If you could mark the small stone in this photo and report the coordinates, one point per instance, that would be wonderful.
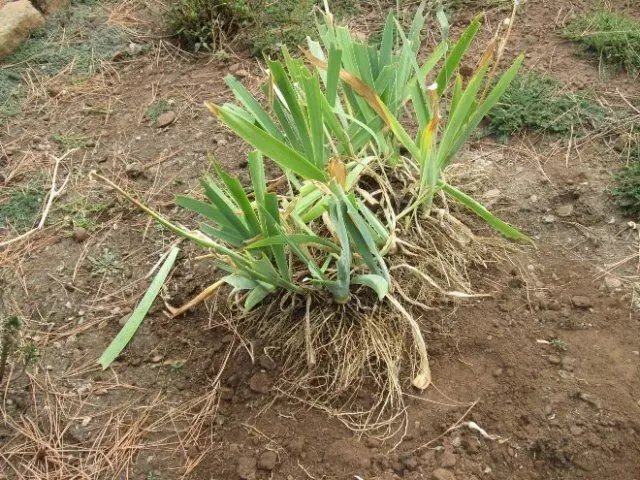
(226, 393)
(442, 474)
(260, 383)
(548, 219)
(268, 461)
(533, 198)
(554, 359)
(242, 73)
(576, 430)
(246, 468)
(448, 459)
(564, 210)
(569, 363)
(582, 302)
(157, 359)
(165, 119)
(612, 283)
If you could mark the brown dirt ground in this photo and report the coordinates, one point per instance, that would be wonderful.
(554, 375)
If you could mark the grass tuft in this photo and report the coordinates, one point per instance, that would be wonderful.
(538, 103)
(156, 109)
(627, 192)
(75, 40)
(264, 25)
(612, 36)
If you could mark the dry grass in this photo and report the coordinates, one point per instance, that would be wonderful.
(57, 432)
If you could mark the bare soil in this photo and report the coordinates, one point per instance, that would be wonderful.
(548, 365)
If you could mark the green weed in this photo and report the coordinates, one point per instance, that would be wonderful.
(627, 192)
(20, 208)
(69, 141)
(106, 264)
(612, 36)
(538, 103)
(156, 109)
(84, 213)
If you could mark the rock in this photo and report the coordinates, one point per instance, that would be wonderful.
(260, 383)
(165, 119)
(448, 459)
(442, 474)
(497, 372)
(581, 301)
(554, 359)
(568, 364)
(157, 359)
(612, 283)
(591, 399)
(246, 468)
(226, 393)
(268, 461)
(242, 73)
(548, 219)
(80, 234)
(266, 362)
(17, 21)
(564, 210)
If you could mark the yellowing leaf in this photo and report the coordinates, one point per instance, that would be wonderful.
(338, 171)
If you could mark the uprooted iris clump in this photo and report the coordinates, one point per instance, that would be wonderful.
(539, 103)
(613, 37)
(360, 234)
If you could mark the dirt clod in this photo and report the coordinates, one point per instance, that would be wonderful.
(591, 399)
(80, 234)
(226, 393)
(554, 359)
(165, 119)
(266, 362)
(581, 301)
(569, 363)
(268, 461)
(442, 474)
(246, 469)
(260, 383)
(564, 210)
(448, 459)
